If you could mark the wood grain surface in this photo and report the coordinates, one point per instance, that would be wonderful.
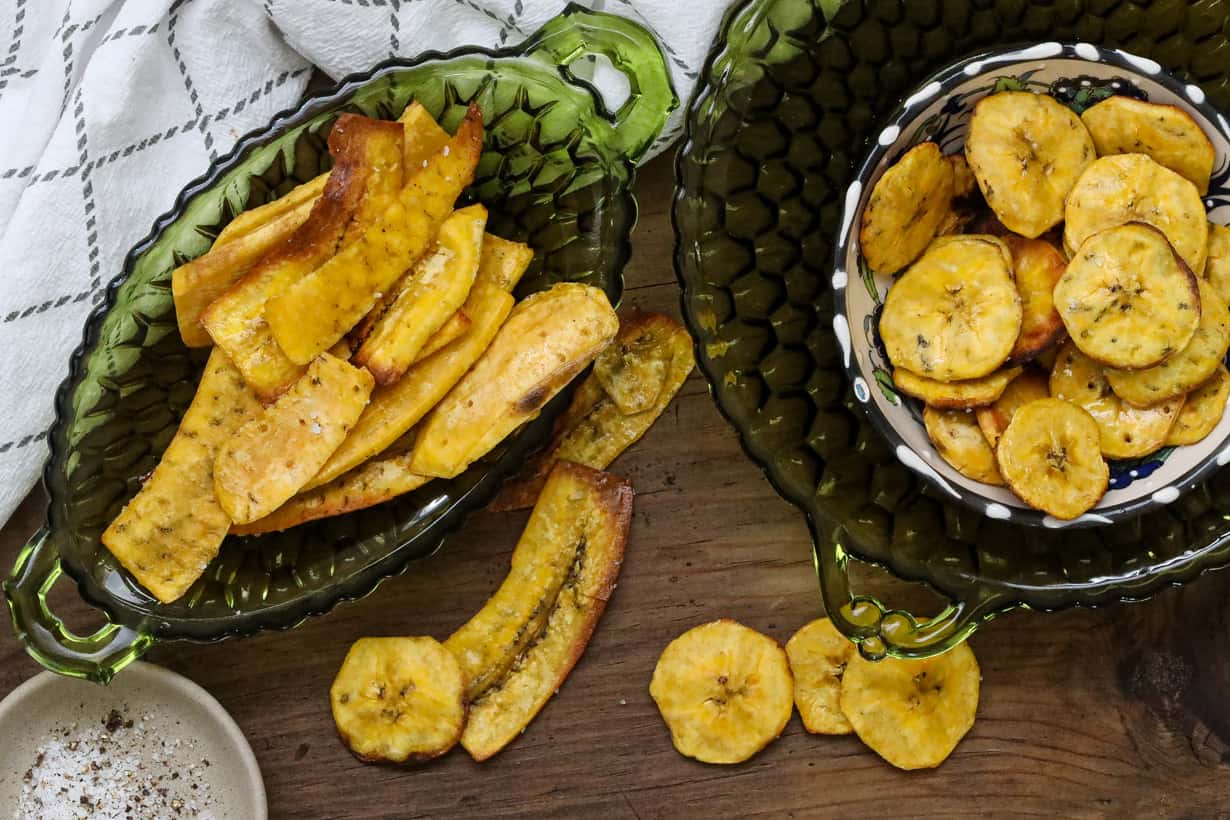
(1121, 712)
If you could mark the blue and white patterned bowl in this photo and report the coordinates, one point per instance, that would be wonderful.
(1079, 75)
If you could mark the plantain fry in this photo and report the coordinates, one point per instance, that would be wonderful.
(593, 510)
(454, 327)
(172, 528)
(549, 337)
(593, 430)
(272, 456)
(297, 200)
(316, 311)
(503, 262)
(424, 137)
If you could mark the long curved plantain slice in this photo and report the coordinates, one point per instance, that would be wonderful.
(172, 529)
(299, 199)
(503, 262)
(597, 517)
(818, 656)
(654, 357)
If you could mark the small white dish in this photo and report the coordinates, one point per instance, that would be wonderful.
(170, 750)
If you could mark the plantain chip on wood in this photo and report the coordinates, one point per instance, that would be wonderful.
(398, 700)
(434, 289)
(594, 430)
(818, 656)
(368, 162)
(172, 529)
(319, 309)
(272, 456)
(593, 511)
(298, 200)
(1051, 456)
(549, 338)
(1165, 133)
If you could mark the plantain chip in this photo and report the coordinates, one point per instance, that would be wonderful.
(1126, 431)
(955, 313)
(967, 202)
(272, 456)
(958, 440)
(907, 204)
(173, 527)
(1051, 456)
(1125, 188)
(1217, 268)
(912, 713)
(1027, 151)
(818, 655)
(1202, 411)
(993, 419)
(602, 511)
(398, 700)
(724, 691)
(960, 395)
(1127, 299)
(1165, 133)
(1037, 266)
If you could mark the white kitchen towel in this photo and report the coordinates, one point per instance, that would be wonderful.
(109, 107)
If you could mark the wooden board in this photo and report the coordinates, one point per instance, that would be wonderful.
(1106, 713)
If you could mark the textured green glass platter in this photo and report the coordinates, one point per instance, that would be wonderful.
(790, 94)
(556, 172)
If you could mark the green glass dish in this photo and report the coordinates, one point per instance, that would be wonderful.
(556, 172)
(787, 104)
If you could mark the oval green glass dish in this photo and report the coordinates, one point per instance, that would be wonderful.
(789, 99)
(556, 172)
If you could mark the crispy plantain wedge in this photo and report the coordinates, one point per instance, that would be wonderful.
(593, 430)
(271, 457)
(503, 262)
(297, 200)
(395, 409)
(398, 700)
(549, 338)
(319, 309)
(595, 515)
(173, 527)
(368, 162)
(424, 137)
(454, 328)
(436, 288)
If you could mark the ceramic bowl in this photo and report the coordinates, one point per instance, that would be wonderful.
(1078, 75)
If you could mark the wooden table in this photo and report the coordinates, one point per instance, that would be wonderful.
(1117, 712)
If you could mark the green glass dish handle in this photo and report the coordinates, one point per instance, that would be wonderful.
(49, 641)
(577, 33)
(880, 632)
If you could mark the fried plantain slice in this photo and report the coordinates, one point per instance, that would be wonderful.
(1047, 358)
(1165, 133)
(297, 200)
(966, 202)
(1185, 370)
(912, 713)
(1217, 267)
(454, 327)
(1125, 431)
(398, 700)
(1051, 457)
(1202, 411)
(724, 690)
(1027, 151)
(905, 209)
(1125, 188)
(955, 314)
(602, 510)
(958, 440)
(818, 655)
(633, 369)
(963, 182)
(593, 430)
(503, 262)
(1127, 299)
(1036, 266)
(960, 395)
(1029, 386)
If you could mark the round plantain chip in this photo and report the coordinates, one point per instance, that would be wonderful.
(818, 655)
(1126, 298)
(958, 440)
(1051, 458)
(954, 395)
(1185, 370)
(1036, 265)
(1166, 133)
(1202, 411)
(912, 713)
(993, 419)
(399, 699)
(725, 691)
(1125, 431)
(955, 314)
(963, 182)
(1027, 151)
(1127, 188)
(1217, 266)
(907, 204)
